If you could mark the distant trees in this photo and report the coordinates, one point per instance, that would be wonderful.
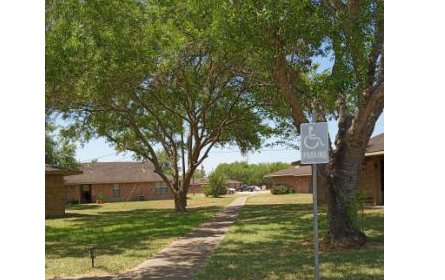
(251, 174)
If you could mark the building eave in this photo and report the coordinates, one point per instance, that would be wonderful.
(378, 153)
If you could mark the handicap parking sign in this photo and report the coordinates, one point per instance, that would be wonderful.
(314, 143)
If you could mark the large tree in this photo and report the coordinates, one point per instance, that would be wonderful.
(148, 78)
(282, 40)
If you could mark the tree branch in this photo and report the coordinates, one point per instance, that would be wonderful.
(284, 78)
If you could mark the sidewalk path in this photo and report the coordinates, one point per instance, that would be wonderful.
(184, 257)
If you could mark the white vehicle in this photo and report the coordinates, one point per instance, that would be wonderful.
(230, 190)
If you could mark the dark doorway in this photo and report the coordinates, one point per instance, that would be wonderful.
(382, 172)
(85, 193)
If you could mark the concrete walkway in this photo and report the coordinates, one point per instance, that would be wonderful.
(184, 257)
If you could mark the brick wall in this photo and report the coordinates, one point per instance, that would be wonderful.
(129, 192)
(54, 196)
(234, 185)
(300, 184)
(369, 181)
(195, 189)
(72, 194)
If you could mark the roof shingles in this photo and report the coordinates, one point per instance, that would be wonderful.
(298, 170)
(114, 172)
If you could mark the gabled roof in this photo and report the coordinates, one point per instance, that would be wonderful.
(114, 172)
(375, 145)
(52, 170)
(298, 170)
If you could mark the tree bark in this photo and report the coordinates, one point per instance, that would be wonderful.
(342, 181)
(181, 201)
(343, 173)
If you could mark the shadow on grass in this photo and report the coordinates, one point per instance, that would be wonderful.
(373, 227)
(266, 242)
(116, 232)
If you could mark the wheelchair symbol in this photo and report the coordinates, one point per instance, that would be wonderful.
(312, 141)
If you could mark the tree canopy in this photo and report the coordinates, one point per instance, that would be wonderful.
(150, 79)
(59, 152)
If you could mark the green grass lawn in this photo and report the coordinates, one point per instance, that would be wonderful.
(126, 233)
(271, 240)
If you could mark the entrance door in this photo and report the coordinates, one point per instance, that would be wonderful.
(85, 193)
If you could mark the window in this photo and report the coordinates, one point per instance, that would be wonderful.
(161, 189)
(116, 190)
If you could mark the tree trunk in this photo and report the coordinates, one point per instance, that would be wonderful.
(342, 175)
(181, 201)
(342, 181)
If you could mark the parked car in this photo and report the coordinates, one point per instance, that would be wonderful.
(230, 190)
(246, 188)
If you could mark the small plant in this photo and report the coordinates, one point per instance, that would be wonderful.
(281, 189)
(356, 208)
(100, 198)
(216, 186)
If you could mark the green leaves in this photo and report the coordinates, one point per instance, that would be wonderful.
(150, 77)
(59, 151)
(216, 186)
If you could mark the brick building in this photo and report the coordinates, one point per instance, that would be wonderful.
(298, 177)
(54, 190)
(116, 181)
(196, 185)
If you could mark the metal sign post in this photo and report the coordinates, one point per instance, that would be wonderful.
(314, 196)
(315, 150)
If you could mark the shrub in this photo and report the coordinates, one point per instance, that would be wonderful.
(216, 186)
(281, 189)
